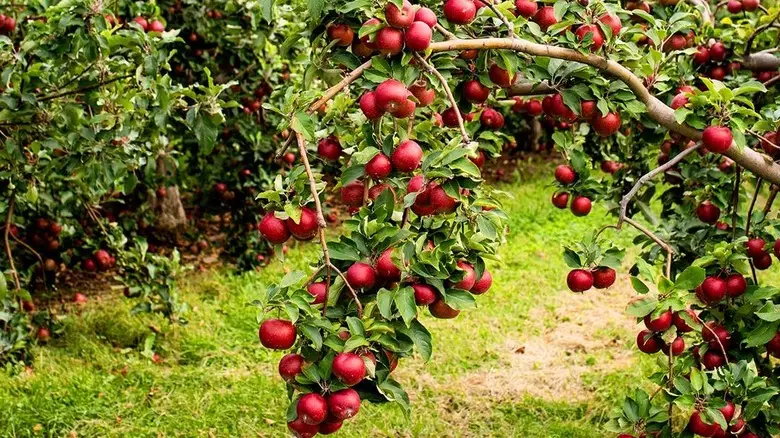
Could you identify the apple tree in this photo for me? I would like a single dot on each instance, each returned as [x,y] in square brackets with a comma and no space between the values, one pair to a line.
[635,90]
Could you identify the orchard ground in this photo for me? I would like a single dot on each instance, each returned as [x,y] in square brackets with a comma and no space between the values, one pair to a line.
[533,359]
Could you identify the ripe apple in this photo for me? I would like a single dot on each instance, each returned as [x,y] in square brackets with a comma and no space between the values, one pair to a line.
[391,96]
[755,247]
[491,119]
[301,429]
[399,18]
[698,426]
[361,276]
[560,200]
[545,17]
[475,92]
[501,77]
[312,408]
[407,156]
[648,342]
[613,21]
[676,348]
[352,194]
[277,334]
[418,36]
[290,366]
[141,21]
[580,206]
[389,41]
[606,125]
[469,277]
[526,8]
[565,174]
[440,309]
[369,106]
[344,404]
[702,55]
[579,280]
[483,284]
[274,229]
[460,11]
[707,212]
[596,35]
[156,26]
[379,167]
[341,33]
[424,294]
[717,139]
[450,117]
[680,324]
[424,95]
[385,268]
[713,289]
[660,323]
[763,261]
[349,368]
[750,5]
[427,16]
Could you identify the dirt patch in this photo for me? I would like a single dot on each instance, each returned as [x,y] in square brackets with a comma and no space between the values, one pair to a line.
[579,334]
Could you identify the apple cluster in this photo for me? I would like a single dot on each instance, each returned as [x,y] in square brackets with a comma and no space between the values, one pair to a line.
[566,176]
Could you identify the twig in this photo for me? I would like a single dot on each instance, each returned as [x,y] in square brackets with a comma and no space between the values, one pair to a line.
[431,69]
[329,93]
[758,30]
[354,294]
[657,240]
[648,176]
[735,202]
[447,34]
[318,207]
[772,81]
[761,137]
[14,273]
[771,199]
[28,247]
[752,205]
[84,89]
[507,23]
[720,344]
[704,8]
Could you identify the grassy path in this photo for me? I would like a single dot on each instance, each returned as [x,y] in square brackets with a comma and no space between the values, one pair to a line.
[533,360]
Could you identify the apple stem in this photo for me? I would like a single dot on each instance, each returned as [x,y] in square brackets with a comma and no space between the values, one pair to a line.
[431,69]
[7,233]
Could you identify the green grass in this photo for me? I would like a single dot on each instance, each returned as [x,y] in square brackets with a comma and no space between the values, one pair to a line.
[216,380]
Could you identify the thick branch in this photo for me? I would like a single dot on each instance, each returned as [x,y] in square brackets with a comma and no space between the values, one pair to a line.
[758,30]
[761,61]
[530,89]
[647,177]
[8,252]
[454,104]
[656,109]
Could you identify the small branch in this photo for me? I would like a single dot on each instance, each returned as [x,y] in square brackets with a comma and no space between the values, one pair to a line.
[771,200]
[758,30]
[772,82]
[704,8]
[318,207]
[454,104]
[720,344]
[7,233]
[657,240]
[510,27]
[752,206]
[354,294]
[84,89]
[447,34]
[647,177]
[735,202]
[329,94]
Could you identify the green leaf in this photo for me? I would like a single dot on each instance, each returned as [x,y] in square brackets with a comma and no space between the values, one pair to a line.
[460,299]
[384,300]
[302,123]
[690,278]
[355,326]
[404,301]
[639,286]
[313,334]
[315,8]
[292,278]
[642,306]
[421,338]
[3,287]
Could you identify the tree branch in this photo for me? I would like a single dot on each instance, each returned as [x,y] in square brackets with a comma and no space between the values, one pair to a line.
[657,110]
[329,94]
[647,177]
[704,9]
[530,89]
[454,104]
[10,254]
[85,89]
[510,27]
[758,30]
[447,34]
[771,200]
[665,246]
